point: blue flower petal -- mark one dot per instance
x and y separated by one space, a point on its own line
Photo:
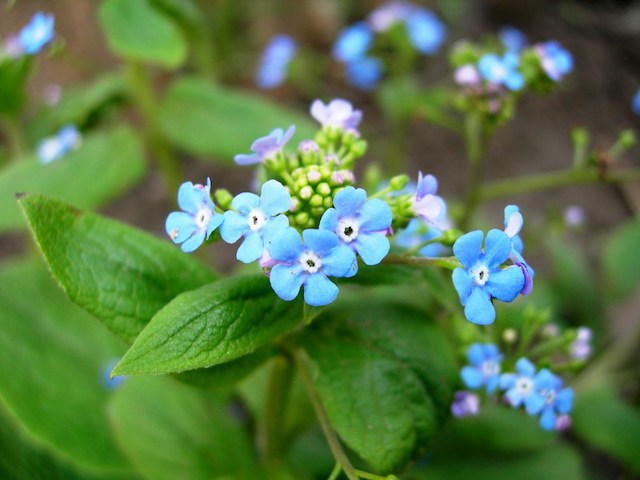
462 282
479 308
348 200
247 159
329 220
194 242
508 380
467 248
548 419
475 354
214 222
364 73
472 377
180 226
320 241
286 280
273 227
319 290
513 397
251 249
492 383
497 248
525 368
353 42
287 246
190 198
375 215
564 400
533 403
340 262
274 198
505 285
245 202
234 226
427 185
372 247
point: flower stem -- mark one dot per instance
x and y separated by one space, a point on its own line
332 439
450 263
476 142
14 137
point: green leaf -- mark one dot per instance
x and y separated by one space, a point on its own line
211 325
602 420
88 177
120 274
172 431
13 80
211 120
52 357
621 261
385 376
138 31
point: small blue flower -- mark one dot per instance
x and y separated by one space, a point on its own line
426 31
480 279
635 103
364 72
513 222
360 224
465 404
556 400
197 220
353 42
309 264
257 219
427 205
57 146
554 59
37 33
501 70
338 113
513 39
266 147
484 369
524 387
275 60
416 233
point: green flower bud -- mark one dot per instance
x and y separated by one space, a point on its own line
323 189
316 201
398 182
222 198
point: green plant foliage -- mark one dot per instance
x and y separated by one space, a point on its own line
170 430
384 376
88 177
211 120
52 357
211 325
136 30
621 261
120 274
12 78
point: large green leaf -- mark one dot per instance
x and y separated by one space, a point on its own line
105 165
138 31
602 420
172 431
621 260
120 274
384 374
52 357
211 325
212 120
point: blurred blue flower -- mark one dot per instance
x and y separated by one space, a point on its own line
513 222
338 113
512 38
197 220
383 17
55 147
556 400
364 72
360 224
266 147
275 60
580 348
501 70
309 264
37 33
465 404
554 59
484 369
523 387
426 31
257 219
416 233
635 103
353 42
481 279
427 205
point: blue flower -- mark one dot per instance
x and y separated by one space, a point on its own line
416 233
513 222
427 205
484 369
556 400
426 31
465 404
512 38
37 33
197 220
480 279
55 147
257 219
554 59
364 73
353 42
309 264
524 387
338 113
275 60
360 224
266 147
501 70
635 103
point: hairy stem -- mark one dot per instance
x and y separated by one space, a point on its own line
476 142
449 263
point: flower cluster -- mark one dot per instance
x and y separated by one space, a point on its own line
360 47
275 60
31 38
57 146
540 392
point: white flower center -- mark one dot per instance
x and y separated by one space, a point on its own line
549 397
348 229
310 262
480 274
490 368
257 219
524 386
203 216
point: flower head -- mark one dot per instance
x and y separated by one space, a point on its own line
501 70
266 147
554 59
256 219
557 401
353 42
512 38
55 147
480 279
513 222
524 386
465 404
197 220
275 60
37 33
580 348
427 205
360 224
426 31
484 369
309 264
338 113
